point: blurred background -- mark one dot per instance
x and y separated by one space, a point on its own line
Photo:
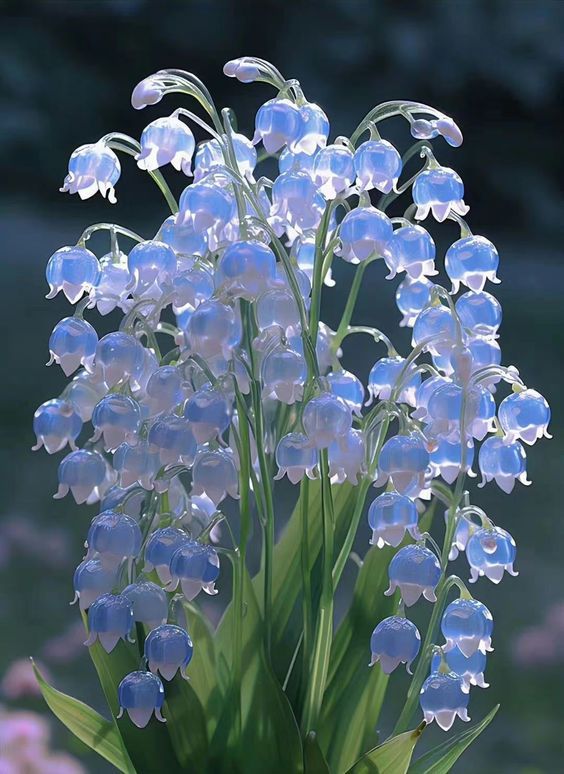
497 66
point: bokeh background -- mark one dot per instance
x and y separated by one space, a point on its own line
66 73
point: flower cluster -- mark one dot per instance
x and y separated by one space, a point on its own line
221 371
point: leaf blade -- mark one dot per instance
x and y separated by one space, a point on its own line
391 757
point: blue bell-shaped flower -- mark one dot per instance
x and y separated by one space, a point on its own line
325 419
160 547
313 130
415 571
295 457
110 619
83 472
277 308
365 232
394 641
84 392
467 624
91 579
152 266
471 261
209 412
470 669
111 289
296 201
207 208
72 344
172 438
480 312
525 415
297 162
278 123
168 649
423 395
165 390
246 269
504 462
140 694
436 326
404 460
116 418
412 250
347 457
214 330
150 603
446 459
191 288
166 140
74 270
390 515
490 551
92 168
196 567
184 240
119 358
348 387
215 475
56 423
210 155
377 165
114 536
333 170
412 296
439 190
390 373
283 374
443 697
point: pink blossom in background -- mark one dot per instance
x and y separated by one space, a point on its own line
542 645
19 680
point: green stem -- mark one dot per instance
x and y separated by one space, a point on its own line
317 285
350 305
307 604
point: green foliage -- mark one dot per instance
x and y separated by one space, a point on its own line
392 757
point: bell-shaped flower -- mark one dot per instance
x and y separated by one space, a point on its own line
72 344
365 232
393 376
435 330
404 460
377 165
395 641
471 261
114 536
277 308
93 168
453 410
152 266
283 375
210 155
412 250
84 392
423 129
196 567
415 571
215 475
313 130
295 457
296 201
443 697
207 208
439 190
119 358
74 270
465 527
446 459
278 123
150 604
110 619
92 578
412 296
166 140
490 551
184 240
165 390
160 547
116 418
168 649
111 290
485 352
245 270
467 624
84 473
136 464
525 415
140 694
325 419
191 288
56 423
348 387
172 438
296 162
480 312
504 462
333 170
209 412
471 669
150 365
347 456
390 515
243 68
149 91
213 330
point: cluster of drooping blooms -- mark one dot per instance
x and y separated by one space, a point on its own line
221 328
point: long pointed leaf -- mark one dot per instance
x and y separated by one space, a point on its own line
86 724
392 757
442 758
314 760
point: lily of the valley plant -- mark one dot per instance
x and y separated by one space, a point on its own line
222 380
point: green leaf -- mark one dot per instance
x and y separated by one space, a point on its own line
86 724
186 724
442 758
392 757
354 690
269 730
314 760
